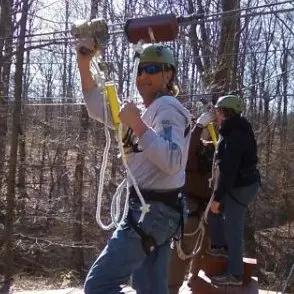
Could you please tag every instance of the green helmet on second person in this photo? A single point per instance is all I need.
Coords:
(158, 54)
(231, 102)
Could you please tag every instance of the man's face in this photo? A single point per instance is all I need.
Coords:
(152, 79)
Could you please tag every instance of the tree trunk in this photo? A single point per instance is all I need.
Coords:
(235, 58)
(78, 253)
(10, 198)
(5, 64)
(22, 193)
(222, 77)
(229, 45)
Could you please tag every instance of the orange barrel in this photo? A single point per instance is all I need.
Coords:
(164, 28)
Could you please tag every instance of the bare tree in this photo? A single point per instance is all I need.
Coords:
(78, 255)
(16, 128)
(6, 31)
(58, 157)
(216, 73)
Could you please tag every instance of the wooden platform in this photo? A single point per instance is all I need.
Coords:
(126, 290)
(184, 290)
(59, 291)
(201, 284)
(210, 266)
(217, 265)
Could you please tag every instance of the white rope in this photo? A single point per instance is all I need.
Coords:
(115, 210)
(100, 81)
(101, 183)
(145, 208)
(138, 48)
(116, 201)
(200, 231)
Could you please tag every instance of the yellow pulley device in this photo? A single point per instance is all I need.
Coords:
(113, 102)
(212, 133)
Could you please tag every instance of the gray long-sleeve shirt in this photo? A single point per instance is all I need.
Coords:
(161, 165)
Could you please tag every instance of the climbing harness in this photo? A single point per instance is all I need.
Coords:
(173, 199)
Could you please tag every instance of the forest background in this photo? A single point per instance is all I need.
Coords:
(51, 152)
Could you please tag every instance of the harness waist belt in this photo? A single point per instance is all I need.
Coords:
(171, 198)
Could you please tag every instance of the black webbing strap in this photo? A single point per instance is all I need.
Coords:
(169, 198)
(147, 241)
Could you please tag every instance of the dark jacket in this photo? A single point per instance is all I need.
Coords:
(198, 170)
(236, 156)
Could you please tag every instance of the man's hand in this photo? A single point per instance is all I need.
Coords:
(84, 60)
(86, 49)
(131, 117)
(215, 207)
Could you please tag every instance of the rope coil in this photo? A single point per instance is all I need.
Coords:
(115, 210)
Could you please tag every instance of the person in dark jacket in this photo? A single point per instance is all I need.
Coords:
(236, 183)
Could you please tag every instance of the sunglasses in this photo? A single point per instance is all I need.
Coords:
(153, 69)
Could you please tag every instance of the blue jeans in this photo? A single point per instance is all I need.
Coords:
(227, 228)
(124, 255)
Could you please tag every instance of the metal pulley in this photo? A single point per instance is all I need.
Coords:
(94, 30)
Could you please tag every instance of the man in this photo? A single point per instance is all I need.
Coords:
(141, 250)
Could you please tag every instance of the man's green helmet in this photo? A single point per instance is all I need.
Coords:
(158, 54)
(230, 101)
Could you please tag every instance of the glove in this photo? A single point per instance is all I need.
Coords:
(205, 118)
